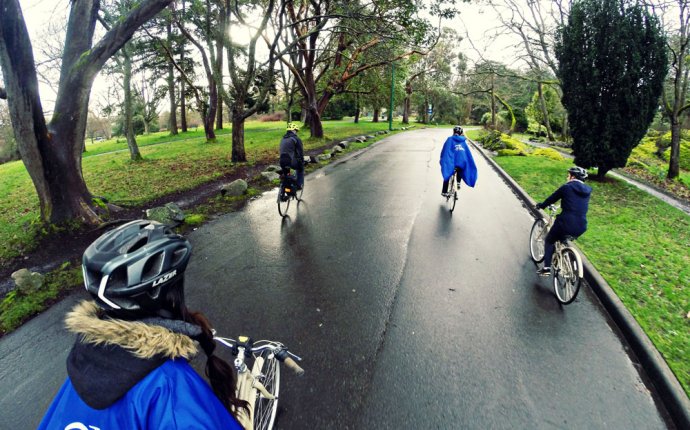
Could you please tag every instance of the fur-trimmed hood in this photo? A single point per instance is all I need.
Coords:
(117, 353)
(144, 338)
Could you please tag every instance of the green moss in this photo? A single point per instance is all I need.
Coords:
(194, 219)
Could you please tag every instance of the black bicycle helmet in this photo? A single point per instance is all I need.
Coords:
(131, 267)
(457, 130)
(578, 173)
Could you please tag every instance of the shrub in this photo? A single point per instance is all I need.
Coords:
(508, 152)
(269, 117)
(634, 162)
(491, 140)
(548, 153)
(497, 141)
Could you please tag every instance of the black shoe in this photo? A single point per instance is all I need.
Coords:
(544, 271)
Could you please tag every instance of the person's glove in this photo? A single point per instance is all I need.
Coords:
(540, 206)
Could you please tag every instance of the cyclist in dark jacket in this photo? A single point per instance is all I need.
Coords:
(292, 153)
(572, 221)
(128, 368)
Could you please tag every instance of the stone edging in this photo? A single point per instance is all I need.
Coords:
(663, 379)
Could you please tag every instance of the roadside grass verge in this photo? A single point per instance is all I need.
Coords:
(639, 244)
(170, 164)
(18, 306)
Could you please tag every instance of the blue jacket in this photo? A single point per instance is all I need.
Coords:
(456, 153)
(574, 196)
(141, 380)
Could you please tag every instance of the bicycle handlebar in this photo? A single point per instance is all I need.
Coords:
(281, 352)
(289, 362)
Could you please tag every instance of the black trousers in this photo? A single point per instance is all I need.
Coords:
(458, 178)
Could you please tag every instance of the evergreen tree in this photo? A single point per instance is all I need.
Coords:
(612, 64)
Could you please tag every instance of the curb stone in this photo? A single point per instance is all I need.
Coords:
(665, 383)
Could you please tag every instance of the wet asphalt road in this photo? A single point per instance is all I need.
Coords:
(406, 316)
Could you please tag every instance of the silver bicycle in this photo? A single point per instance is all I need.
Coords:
(566, 266)
(260, 384)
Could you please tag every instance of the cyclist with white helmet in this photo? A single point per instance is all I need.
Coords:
(456, 158)
(129, 365)
(292, 153)
(572, 221)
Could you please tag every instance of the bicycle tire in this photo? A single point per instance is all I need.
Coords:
(298, 195)
(283, 201)
(536, 240)
(265, 409)
(566, 277)
(453, 197)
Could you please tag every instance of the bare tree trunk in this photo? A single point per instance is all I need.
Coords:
(219, 67)
(356, 108)
(674, 159)
(313, 119)
(407, 102)
(425, 110)
(134, 153)
(238, 152)
(545, 112)
(172, 120)
(493, 104)
(375, 118)
(183, 108)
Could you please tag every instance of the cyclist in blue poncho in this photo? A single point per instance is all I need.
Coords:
(456, 154)
(128, 368)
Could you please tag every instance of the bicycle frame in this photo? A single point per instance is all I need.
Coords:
(560, 246)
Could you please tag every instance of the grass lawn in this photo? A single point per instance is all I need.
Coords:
(640, 245)
(170, 164)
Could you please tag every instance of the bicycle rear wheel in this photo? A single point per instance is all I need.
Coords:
(298, 195)
(452, 196)
(536, 240)
(283, 201)
(566, 277)
(265, 409)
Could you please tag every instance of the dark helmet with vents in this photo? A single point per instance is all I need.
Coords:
(130, 268)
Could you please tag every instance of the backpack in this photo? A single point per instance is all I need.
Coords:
(290, 185)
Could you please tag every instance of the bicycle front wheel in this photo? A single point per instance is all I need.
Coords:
(536, 240)
(283, 202)
(265, 409)
(566, 277)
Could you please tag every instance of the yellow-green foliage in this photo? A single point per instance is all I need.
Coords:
(548, 153)
(515, 145)
(503, 144)
(648, 149)
(509, 152)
